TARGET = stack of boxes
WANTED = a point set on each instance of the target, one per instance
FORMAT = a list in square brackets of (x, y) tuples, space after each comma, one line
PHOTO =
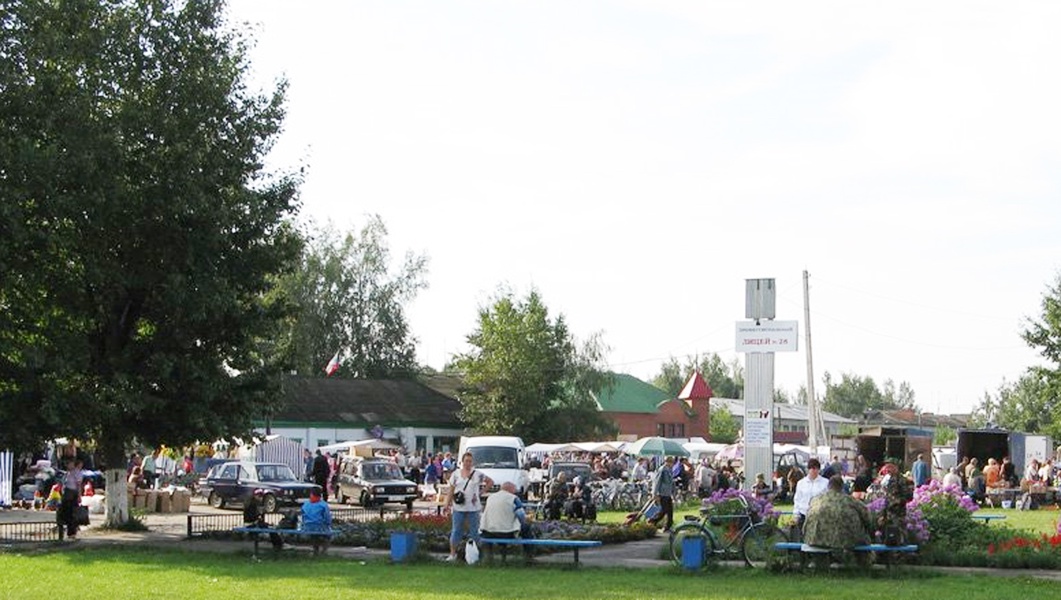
[(162, 501)]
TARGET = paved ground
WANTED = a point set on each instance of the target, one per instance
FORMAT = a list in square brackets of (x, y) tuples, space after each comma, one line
[(169, 530)]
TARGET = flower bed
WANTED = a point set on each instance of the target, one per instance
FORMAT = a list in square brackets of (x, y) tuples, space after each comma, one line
[(939, 519), (432, 532)]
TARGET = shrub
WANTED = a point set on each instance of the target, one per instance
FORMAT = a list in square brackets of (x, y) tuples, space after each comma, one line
[(947, 512)]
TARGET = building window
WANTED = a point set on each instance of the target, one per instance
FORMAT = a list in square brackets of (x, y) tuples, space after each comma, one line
[(323, 443), (671, 430)]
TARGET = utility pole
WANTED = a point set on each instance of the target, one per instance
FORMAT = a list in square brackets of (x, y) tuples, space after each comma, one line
[(815, 424)]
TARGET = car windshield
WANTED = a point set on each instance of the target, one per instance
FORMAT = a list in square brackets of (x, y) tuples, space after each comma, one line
[(495, 457), (571, 471), (382, 471), (275, 473)]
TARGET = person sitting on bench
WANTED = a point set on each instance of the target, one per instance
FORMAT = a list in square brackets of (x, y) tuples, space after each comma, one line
[(317, 517), (580, 503), (254, 516), (504, 516), (557, 497), (836, 520)]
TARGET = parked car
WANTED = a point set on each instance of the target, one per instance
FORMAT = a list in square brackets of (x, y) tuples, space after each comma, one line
[(235, 482), (572, 470), (374, 481)]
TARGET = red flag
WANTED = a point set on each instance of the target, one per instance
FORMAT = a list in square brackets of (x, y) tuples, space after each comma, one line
[(333, 365)]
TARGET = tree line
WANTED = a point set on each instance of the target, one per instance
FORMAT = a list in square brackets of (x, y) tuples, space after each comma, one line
[(156, 283)]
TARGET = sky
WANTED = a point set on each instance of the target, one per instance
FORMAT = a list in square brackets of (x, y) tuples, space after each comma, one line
[(635, 162)]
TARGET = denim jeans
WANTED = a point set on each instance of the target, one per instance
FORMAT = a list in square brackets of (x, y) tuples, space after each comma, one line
[(462, 519)]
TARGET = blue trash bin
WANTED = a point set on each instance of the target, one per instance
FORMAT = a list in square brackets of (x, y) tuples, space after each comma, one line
[(693, 552), (403, 546)]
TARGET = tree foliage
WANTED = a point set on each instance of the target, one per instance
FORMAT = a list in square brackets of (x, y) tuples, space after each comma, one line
[(726, 380), (138, 231), (346, 298), (944, 436), (527, 376), (853, 395), (724, 426), (1032, 403)]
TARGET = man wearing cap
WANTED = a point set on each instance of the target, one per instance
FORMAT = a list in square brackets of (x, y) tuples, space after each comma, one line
[(807, 489)]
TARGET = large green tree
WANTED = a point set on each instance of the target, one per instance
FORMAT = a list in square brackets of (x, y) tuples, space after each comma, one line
[(726, 380), (346, 297), (853, 395), (139, 234), (526, 375)]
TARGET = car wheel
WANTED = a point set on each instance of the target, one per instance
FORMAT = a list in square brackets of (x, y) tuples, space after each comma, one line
[(363, 500), (408, 506), (269, 503), (339, 497), (216, 500)]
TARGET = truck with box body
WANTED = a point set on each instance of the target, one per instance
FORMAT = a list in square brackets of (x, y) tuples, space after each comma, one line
[(903, 444)]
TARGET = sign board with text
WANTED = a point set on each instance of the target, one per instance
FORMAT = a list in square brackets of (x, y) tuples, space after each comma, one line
[(758, 429), (767, 336)]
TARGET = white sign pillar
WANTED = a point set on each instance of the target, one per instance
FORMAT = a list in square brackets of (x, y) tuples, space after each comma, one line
[(759, 339)]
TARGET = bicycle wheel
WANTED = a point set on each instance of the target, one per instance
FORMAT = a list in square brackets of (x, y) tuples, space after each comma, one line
[(626, 501), (681, 532), (757, 544)]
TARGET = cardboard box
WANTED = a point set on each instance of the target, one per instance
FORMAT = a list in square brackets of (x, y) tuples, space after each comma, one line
[(165, 502), (151, 501), (182, 501)]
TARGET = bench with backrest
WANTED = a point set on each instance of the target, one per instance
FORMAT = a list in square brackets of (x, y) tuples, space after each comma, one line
[(504, 543), (806, 550), (320, 539)]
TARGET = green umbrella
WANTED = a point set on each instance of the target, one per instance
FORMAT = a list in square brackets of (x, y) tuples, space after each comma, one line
[(655, 446)]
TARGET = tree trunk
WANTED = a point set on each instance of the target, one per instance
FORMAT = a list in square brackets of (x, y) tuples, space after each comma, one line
[(117, 498)]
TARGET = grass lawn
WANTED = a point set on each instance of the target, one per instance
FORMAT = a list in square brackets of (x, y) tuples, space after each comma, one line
[(139, 573), (1036, 521)]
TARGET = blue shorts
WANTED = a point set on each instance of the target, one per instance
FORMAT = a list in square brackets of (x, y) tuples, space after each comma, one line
[(462, 519)]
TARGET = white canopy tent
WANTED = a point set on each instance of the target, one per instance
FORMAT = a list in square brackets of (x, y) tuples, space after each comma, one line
[(353, 447)]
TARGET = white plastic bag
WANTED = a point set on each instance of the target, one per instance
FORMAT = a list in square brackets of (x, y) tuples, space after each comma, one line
[(471, 552)]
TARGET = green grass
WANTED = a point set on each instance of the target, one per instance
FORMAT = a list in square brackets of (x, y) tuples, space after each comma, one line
[(138, 573), (1035, 521)]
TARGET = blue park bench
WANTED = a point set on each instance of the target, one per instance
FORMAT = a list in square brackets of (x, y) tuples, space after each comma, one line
[(808, 550), (320, 539), (504, 543)]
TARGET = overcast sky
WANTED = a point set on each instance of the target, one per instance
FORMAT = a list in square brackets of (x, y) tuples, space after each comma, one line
[(637, 161)]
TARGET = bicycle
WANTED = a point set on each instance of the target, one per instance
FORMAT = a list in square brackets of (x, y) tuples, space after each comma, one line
[(754, 541)]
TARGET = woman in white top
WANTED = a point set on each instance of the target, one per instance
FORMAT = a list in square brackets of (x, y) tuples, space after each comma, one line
[(465, 503)]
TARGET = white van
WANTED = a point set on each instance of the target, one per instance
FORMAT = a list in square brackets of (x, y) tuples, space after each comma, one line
[(501, 458)]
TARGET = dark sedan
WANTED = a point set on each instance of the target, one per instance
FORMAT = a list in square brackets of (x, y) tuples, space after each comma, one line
[(235, 482)]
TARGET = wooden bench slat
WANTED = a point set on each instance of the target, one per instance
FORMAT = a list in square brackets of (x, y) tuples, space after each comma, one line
[(862, 548), (284, 531), (540, 542)]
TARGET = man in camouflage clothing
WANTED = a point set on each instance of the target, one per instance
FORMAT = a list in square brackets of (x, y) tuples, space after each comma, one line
[(892, 521), (836, 520)]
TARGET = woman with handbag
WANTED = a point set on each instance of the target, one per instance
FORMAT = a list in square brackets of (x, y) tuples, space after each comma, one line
[(71, 498), (464, 503)]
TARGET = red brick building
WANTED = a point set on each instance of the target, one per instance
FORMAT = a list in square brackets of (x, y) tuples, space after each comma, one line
[(640, 409)]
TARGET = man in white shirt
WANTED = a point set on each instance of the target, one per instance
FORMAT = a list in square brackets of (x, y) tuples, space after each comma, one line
[(952, 478), (807, 489), (503, 515)]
